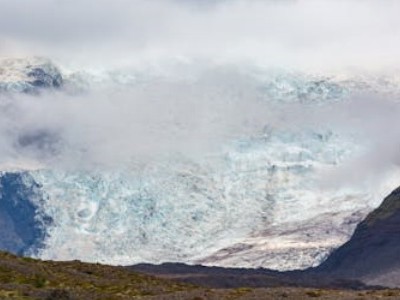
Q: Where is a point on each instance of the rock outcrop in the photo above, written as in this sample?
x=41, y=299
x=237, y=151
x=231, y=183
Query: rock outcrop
x=28, y=75
x=372, y=255
x=20, y=230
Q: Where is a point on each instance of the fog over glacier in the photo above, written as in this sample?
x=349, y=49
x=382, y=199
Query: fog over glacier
x=185, y=130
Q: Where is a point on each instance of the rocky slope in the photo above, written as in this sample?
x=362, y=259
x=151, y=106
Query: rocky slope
x=373, y=253
x=20, y=229
x=28, y=75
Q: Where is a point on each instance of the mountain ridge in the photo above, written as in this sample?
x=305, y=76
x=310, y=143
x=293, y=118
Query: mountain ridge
x=373, y=251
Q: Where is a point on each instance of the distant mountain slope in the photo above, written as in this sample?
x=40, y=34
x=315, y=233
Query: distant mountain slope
x=373, y=253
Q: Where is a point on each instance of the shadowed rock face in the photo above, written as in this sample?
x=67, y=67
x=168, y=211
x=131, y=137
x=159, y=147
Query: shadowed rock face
x=373, y=253
x=20, y=230
x=28, y=75
x=45, y=78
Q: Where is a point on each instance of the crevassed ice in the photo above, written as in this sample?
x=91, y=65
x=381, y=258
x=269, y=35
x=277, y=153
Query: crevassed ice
x=182, y=210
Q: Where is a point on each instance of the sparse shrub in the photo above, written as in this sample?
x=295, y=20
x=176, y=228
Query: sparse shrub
x=5, y=278
x=314, y=294
x=146, y=293
x=243, y=290
x=389, y=293
x=39, y=281
x=28, y=259
x=59, y=294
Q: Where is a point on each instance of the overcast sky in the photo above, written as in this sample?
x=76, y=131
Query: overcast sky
x=304, y=33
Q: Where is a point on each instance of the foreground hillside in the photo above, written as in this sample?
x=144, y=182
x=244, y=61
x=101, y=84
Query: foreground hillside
x=372, y=254
x=24, y=278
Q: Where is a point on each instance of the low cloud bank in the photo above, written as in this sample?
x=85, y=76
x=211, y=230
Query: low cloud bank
x=307, y=34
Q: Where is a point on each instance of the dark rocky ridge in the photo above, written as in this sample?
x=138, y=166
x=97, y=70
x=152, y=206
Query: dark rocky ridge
x=30, y=75
x=217, y=277
x=373, y=252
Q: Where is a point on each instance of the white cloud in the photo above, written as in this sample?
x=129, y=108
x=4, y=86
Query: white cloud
x=304, y=33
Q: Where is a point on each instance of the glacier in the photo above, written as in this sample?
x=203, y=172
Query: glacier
x=255, y=200
x=261, y=195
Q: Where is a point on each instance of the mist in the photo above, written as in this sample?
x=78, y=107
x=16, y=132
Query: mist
x=117, y=125
x=199, y=97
